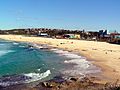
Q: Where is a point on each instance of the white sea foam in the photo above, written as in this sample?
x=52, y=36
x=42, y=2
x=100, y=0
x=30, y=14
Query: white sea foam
x=72, y=56
x=25, y=78
x=14, y=43
x=38, y=69
x=3, y=52
x=37, y=76
x=21, y=46
x=83, y=64
x=5, y=84
x=37, y=46
x=59, y=51
x=80, y=65
x=66, y=53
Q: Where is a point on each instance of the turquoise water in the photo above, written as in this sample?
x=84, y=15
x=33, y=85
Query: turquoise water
x=18, y=58
x=20, y=63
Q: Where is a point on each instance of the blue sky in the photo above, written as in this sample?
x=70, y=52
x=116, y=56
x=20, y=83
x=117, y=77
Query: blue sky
x=67, y=14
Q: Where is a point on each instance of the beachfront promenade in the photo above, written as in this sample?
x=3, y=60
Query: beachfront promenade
x=102, y=54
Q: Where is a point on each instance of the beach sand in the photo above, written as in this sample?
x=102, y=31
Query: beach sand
x=102, y=54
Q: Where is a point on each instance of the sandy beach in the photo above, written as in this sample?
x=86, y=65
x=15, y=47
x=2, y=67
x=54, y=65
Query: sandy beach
x=102, y=54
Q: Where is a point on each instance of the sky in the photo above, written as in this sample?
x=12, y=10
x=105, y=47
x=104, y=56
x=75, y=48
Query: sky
x=61, y=14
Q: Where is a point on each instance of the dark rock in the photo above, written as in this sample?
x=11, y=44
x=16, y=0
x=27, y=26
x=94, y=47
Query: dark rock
x=73, y=79
x=47, y=84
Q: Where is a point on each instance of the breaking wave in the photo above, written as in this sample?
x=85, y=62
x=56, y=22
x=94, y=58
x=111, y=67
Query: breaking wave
x=79, y=65
x=37, y=76
x=15, y=43
x=24, y=78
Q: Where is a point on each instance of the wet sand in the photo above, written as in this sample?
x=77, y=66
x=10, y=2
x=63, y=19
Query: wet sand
x=102, y=54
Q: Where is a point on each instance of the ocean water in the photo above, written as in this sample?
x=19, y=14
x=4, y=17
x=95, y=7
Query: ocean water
x=20, y=63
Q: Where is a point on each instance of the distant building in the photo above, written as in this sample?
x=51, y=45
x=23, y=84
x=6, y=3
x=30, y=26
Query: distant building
x=114, y=38
x=42, y=34
x=103, y=35
x=77, y=36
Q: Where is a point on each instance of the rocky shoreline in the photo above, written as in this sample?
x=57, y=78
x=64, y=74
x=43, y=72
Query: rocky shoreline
x=59, y=83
